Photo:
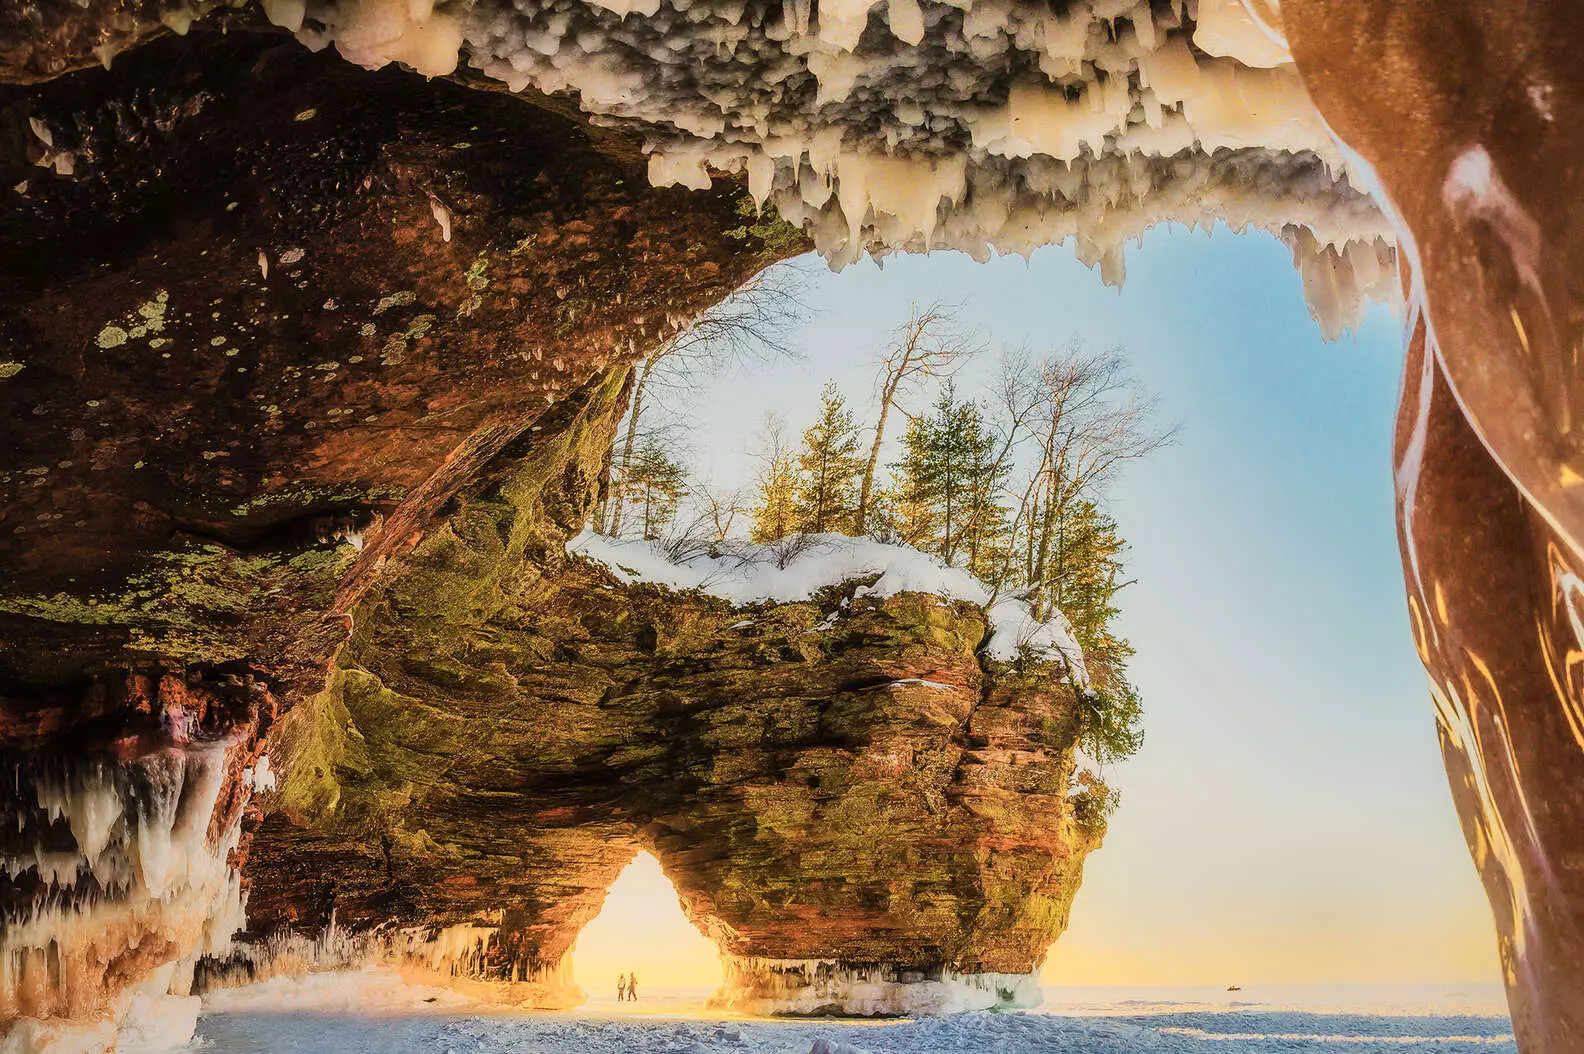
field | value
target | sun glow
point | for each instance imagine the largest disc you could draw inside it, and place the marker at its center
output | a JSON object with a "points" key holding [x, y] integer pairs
{"points": [[642, 929]]}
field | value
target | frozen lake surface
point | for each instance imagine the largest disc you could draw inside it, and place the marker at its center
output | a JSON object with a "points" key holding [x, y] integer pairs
{"points": [[381, 1015]]}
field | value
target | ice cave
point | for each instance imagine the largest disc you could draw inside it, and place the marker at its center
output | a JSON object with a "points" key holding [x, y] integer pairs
{"points": [[317, 318]]}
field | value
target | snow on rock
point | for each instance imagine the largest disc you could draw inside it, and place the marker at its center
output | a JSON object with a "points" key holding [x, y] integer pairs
{"points": [[794, 570], [1014, 629], [910, 125]]}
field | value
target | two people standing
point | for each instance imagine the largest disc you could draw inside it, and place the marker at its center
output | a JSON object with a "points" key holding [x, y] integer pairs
{"points": [[627, 987]]}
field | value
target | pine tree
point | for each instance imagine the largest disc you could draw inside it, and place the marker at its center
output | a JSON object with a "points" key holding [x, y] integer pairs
{"points": [[948, 493], [1087, 568], [828, 468], [985, 534], [911, 509], [654, 484]]}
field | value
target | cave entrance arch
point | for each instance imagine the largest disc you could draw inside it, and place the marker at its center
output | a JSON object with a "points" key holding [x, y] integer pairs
{"points": [[1456, 223], [642, 929]]}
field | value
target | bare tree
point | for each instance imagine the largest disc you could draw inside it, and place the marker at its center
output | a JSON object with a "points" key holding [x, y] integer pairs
{"points": [[931, 343], [719, 509], [751, 325], [1087, 418], [622, 469]]}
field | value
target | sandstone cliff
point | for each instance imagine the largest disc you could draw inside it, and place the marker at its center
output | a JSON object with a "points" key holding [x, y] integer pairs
{"points": [[261, 316], [307, 377], [851, 802]]}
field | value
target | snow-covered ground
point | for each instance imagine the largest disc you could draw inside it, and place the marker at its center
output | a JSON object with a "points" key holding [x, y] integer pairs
{"points": [[293, 1018]]}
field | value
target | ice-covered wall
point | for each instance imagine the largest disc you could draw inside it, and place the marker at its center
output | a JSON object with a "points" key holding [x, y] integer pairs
{"points": [[119, 874], [908, 125], [823, 986], [465, 956]]}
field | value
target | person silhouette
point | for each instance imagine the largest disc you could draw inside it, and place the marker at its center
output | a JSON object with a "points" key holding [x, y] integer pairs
{"points": [[632, 987], [621, 987]]}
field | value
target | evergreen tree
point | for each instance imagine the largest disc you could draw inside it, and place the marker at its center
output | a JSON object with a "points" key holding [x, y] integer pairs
{"points": [[912, 509], [985, 534], [828, 468], [654, 484], [949, 484], [1088, 569]]}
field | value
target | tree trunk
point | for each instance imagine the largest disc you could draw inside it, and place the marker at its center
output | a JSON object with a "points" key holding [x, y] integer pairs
{"points": [[627, 448], [887, 396]]}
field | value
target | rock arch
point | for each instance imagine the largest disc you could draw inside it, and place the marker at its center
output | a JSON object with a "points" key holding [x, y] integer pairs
{"points": [[172, 577], [843, 780]]}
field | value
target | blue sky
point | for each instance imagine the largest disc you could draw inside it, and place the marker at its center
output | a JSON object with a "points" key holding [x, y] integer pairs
{"points": [[1288, 818]]}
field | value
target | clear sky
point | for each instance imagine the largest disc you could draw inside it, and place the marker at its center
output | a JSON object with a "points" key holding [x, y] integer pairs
{"points": [[1288, 818]]}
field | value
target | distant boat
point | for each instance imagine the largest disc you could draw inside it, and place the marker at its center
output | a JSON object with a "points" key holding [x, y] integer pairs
{"points": [[1234, 988]]}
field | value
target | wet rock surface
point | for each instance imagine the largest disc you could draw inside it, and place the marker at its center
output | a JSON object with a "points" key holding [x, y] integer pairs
{"points": [[1470, 118], [278, 305]]}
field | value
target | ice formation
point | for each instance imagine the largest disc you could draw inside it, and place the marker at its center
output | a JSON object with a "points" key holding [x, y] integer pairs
{"points": [[806, 987], [784, 573], [117, 868], [908, 125], [447, 955]]}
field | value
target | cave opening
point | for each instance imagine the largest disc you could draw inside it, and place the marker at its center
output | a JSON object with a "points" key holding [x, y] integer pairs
{"points": [[355, 359], [642, 930], [1278, 451]]}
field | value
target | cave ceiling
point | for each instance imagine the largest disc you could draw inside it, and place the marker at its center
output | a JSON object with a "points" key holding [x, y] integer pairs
{"points": [[290, 292]]}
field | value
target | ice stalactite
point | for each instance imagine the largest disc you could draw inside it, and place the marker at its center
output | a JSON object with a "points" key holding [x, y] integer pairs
{"points": [[465, 955], [979, 125], [825, 986], [118, 874]]}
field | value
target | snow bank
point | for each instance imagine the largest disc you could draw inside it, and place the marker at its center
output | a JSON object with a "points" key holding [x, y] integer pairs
{"points": [[756, 575], [910, 125], [157, 1023], [371, 990], [1117, 1024]]}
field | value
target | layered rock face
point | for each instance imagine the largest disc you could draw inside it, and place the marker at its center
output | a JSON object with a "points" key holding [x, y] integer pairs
{"points": [[261, 315], [846, 799]]}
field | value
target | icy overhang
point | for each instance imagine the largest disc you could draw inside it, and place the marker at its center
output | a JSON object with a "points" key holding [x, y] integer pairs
{"points": [[909, 125]]}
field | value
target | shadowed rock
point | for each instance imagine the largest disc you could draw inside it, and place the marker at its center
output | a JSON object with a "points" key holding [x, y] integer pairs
{"points": [[262, 315]]}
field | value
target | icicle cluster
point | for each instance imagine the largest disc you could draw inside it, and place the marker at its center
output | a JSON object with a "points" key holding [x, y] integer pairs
{"points": [[115, 869], [460, 951], [909, 125], [812, 986]]}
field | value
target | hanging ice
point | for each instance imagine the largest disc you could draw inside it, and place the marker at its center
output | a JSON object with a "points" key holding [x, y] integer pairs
{"points": [[989, 126], [120, 869]]}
